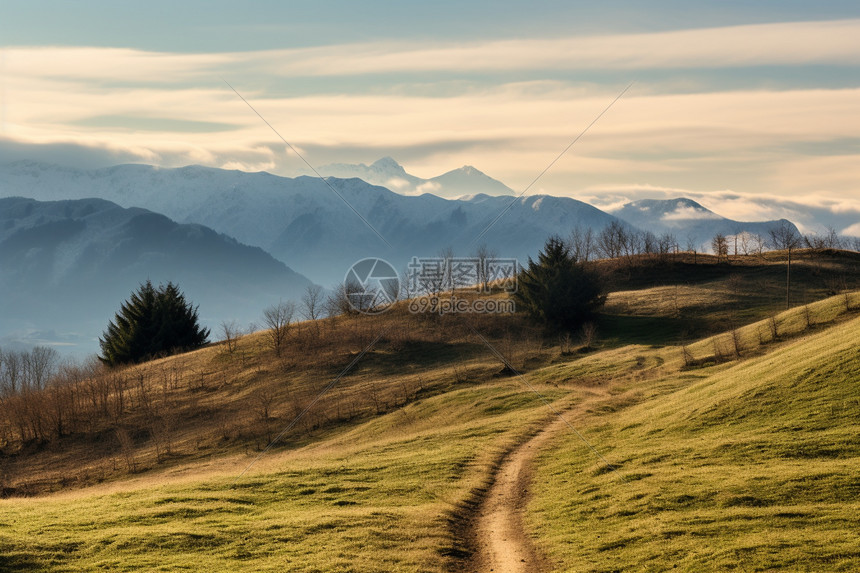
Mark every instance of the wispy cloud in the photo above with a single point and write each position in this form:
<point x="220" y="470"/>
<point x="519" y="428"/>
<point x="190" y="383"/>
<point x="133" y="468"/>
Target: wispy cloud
<point x="683" y="213"/>
<point x="828" y="42"/>
<point x="120" y="104"/>
<point x="792" y="43"/>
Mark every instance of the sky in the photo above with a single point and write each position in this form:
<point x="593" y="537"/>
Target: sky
<point x="752" y="108"/>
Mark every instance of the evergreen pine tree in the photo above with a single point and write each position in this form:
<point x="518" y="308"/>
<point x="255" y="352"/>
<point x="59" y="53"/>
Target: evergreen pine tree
<point x="557" y="290"/>
<point x="151" y="322"/>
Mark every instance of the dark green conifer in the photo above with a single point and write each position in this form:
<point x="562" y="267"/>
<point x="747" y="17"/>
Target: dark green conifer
<point x="557" y="290"/>
<point x="152" y="322"/>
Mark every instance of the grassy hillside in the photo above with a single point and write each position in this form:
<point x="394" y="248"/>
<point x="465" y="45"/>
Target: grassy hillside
<point x="746" y="466"/>
<point x="220" y="401"/>
<point x="165" y="466"/>
<point x="376" y="498"/>
<point x="683" y="298"/>
<point x="196" y="407"/>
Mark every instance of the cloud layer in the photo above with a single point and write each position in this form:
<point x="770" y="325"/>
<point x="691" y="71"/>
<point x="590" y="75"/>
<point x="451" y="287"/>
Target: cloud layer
<point x="508" y="106"/>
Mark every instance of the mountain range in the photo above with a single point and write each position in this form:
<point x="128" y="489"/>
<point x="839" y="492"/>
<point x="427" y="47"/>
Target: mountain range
<point x="312" y="225"/>
<point x="386" y="172"/>
<point x="68" y="265"/>
<point x="691" y="223"/>
<point x="319" y="228"/>
<point x="83" y="239"/>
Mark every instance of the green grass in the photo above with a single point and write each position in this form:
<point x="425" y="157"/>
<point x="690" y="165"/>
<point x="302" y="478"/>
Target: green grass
<point x="672" y="303"/>
<point x="747" y="466"/>
<point x="377" y="498"/>
<point x="730" y="462"/>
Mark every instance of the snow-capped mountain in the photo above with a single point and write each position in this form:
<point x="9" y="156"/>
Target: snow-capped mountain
<point x="313" y="228"/>
<point x="689" y="221"/>
<point x="386" y="172"/>
<point x="319" y="228"/>
<point x="68" y="265"/>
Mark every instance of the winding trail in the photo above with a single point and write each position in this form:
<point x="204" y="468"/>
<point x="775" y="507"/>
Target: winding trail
<point x="497" y="532"/>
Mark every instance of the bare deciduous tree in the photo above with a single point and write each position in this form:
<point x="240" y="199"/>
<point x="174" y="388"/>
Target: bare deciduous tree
<point x="337" y="302"/>
<point x="667" y="244"/>
<point x="688" y="356"/>
<point x="312" y="302"/>
<point x="692" y="246"/>
<point x="231" y="332"/>
<point x="484" y="256"/>
<point x="312" y="306"/>
<point x="829" y="239"/>
<point x="582" y="243"/>
<point x="649" y="243"/>
<point x="277" y="319"/>
<point x="613" y="241"/>
<point x="720" y="246"/>
<point x="736" y="342"/>
<point x="449" y="280"/>
<point x="784" y="236"/>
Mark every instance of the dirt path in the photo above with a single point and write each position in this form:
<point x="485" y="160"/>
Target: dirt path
<point x="500" y="541"/>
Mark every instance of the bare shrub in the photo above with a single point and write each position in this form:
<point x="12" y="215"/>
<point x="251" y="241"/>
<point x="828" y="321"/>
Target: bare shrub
<point x="736" y="342"/>
<point x="688" y="356"/>
<point x="588" y="335"/>
<point x="718" y="352"/>
<point x="461" y="375"/>
<point x="774" y="329"/>
<point x="263" y="400"/>
<point x="126" y="447"/>
<point x="566" y="344"/>
<point x="161" y="429"/>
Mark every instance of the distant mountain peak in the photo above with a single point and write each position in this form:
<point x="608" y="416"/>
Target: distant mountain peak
<point x="387" y="172"/>
<point x="678" y="208"/>
<point x="387" y="162"/>
<point x="685" y="218"/>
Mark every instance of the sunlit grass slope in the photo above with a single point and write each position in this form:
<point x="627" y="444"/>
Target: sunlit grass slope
<point x="748" y="466"/>
<point x="377" y="498"/>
